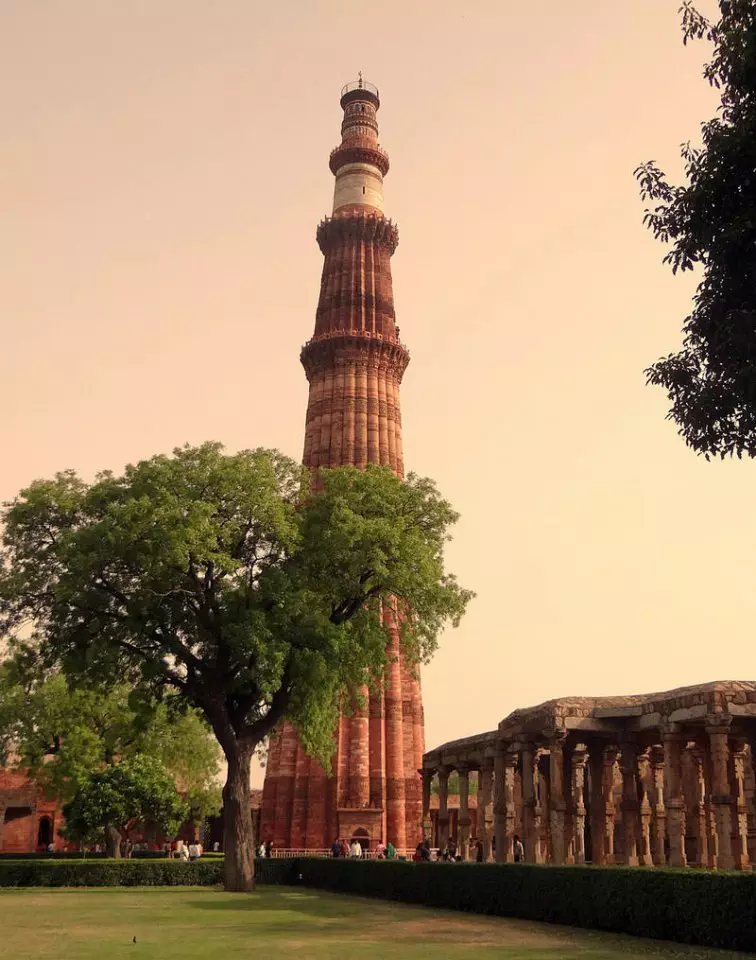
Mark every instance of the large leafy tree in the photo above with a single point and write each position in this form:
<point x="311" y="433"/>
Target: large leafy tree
<point x="133" y="792"/>
<point x="710" y="222"/>
<point x="60" y="734"/>
<point x="222" y="578"/>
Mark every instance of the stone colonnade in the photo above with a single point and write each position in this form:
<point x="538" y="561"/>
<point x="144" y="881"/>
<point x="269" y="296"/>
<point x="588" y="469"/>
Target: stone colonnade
<point x="648" y="783"/>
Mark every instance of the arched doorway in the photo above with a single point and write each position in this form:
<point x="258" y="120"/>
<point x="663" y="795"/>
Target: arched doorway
<point x="45" y="833"/>
<point x="363" y="838"/>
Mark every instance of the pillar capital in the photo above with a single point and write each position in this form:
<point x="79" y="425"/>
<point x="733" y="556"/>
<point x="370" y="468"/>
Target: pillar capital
<point x="718" y="723"/>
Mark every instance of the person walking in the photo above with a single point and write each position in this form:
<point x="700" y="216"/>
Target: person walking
<point x="355" y="851"/>
<point x="390" y="851"/>
<point x="336" y="848"/>
<point x="380" y="851"/>
<point x="519" y="850"/>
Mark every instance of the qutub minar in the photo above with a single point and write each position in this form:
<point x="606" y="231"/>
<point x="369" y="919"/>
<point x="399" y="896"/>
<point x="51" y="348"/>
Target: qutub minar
<point x="354" y="364"/>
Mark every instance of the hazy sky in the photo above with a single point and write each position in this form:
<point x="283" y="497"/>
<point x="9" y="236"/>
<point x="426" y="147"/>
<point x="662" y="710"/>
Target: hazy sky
<point x="164" y="166"/>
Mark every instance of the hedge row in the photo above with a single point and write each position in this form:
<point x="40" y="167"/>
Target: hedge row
<point x="110" y="873"/>
<point x="71" y="855"/>
<point x="687" y="906"/>
<point x="67" y="872"/>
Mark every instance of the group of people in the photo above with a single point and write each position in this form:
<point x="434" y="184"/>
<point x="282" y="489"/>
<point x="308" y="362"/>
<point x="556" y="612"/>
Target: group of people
<point x="265" y="850"/>
<point x="353" y="850"/>
<point x="186" y="851"/>
<point x="448" y="853"/>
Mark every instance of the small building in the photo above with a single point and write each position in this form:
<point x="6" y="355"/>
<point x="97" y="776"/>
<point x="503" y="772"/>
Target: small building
<point x="29" y="821"/>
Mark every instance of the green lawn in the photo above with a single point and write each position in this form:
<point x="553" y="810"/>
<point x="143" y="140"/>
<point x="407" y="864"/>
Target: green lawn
<point x="191" y="922"/>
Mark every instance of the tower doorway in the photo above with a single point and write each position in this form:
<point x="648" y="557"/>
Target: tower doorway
<point x="45" y="833"/>
<point x="363" y="838"/>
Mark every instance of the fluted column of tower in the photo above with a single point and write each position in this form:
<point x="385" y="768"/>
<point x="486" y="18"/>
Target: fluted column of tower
<point x="354" y="364"/>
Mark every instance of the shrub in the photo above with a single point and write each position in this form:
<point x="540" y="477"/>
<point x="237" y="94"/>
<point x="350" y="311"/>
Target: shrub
<point x="109" y="873"/>
<point x="698" y="907"/>
<point x="62" y="855"/>
<point x="46" y="870"/>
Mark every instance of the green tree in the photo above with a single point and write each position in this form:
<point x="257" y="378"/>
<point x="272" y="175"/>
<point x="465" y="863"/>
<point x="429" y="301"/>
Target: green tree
<point x="62" y="734"/>
<point x="452" y="787"/>
<point x="133" y="792"/>
<point x="221" y="577"/>
<point x="710" y="222"/>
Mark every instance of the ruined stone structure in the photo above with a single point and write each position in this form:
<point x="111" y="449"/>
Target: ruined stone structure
<point x="28" y="820"/>
<point x="662" y="779"/>
<point x="354" y="364"/>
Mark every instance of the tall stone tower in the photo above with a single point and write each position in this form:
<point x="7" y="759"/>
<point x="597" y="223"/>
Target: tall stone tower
<point x="354" y="364"/>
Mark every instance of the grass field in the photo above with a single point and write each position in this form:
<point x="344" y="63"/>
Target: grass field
<point x="191" y="923"/>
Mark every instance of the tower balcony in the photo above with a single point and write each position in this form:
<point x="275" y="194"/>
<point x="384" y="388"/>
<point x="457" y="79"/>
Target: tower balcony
<point x="361" y="151"/>
<point x="360" y="90"/>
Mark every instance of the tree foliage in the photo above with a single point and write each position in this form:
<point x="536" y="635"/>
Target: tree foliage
<point x="222" y="578"/>
<point x="136" y="792"/>
<point x="452" y="786"/>
<point x="61" y="734"/>
<point x="710" y="222"/>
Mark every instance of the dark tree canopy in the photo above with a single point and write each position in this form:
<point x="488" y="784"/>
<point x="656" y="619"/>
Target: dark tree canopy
<point x="221" y="578"/>
<point x="710" y="222"/>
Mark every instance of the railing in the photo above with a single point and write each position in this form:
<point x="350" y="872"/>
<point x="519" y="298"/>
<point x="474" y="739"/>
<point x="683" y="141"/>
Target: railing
<point x="291" y="852"/>
<point x="359" y="85"/>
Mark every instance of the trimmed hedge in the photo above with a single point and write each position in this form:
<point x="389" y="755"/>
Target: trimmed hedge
<point x="78" y="855"/>
<point x="688" y="906"/>
<point x="109" y="873"/>
<point x="67" y="872"/>
<point x="63" y="855"/>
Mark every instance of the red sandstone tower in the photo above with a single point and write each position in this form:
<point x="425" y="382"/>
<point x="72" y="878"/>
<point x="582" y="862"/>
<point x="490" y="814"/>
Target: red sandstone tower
<point x="354" y="364"/>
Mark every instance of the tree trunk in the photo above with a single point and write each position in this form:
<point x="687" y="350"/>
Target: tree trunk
<point x="112" y="843"/>
<point x="238" y="833"/>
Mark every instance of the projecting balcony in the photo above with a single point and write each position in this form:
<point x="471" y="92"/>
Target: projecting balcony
<point x="360" y="89"/>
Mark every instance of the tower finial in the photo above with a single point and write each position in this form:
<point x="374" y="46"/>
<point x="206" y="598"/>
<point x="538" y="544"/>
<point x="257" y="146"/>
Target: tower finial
<point x="360" y="76"/>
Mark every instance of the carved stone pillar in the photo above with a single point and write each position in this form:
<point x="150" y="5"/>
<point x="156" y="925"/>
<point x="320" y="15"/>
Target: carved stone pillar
<point x="675" y="801"/>
<point x="660" y="806"/>
<point x="578" y="802"/>
<point x="598" y="807"/>
<point x="510" y="766"/>
<point x="610" y="759"/>
<point x="751" y="804"/>
<point x="463" y="846"/>
<point x="645" y="856"/>
<point x="542" y="781"/>
<point x="443" y="806"/>
<point x="700" y="813"/>
<point x="485" y="810"/>
<point x="427" y="780"/>
<point x="527" y="771"/>
<point x="630" y="812"/>
<point x="557" y="802"/>
<point x="718" y="729"/>
<point x="500" y="805"/>
<point x="739" y="808"/>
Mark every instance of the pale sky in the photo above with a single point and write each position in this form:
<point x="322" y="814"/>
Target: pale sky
<point x="164" y="167"/>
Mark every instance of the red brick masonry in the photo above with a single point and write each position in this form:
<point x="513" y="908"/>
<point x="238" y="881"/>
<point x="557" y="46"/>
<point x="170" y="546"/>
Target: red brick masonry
<point x="354" y="364"/>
